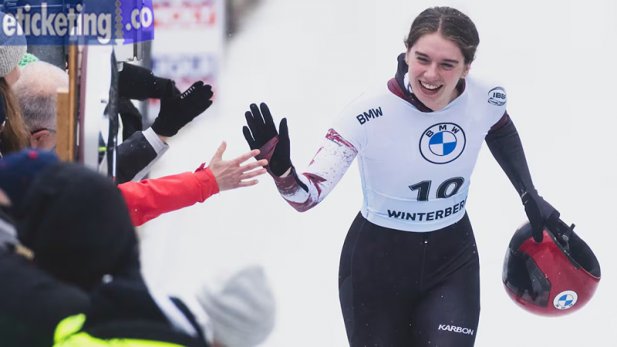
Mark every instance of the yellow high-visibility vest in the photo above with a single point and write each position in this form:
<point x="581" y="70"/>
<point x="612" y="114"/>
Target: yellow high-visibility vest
<point x="68" y="334"/>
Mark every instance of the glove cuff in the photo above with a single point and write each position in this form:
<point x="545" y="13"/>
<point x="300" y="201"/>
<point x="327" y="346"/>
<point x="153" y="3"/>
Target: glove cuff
<point x="278" y="168"/>
<point x="163" y="128"/>
<point x="528" y="195"/>
<point x="288" y="184"/>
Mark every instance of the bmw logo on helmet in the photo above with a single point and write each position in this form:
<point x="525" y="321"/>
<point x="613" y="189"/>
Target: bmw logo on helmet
<point x="442" y="143"/>
<point x="565" y="300"/>
<point x="546" y="279"/>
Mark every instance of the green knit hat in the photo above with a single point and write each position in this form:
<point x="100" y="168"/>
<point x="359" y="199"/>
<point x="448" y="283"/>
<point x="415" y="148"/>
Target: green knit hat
<point x="27" y="59"/>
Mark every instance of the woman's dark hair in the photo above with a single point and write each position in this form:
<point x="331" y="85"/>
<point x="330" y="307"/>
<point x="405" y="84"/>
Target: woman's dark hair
<point x="451" y="24"/>
<point x="15" y="135"/>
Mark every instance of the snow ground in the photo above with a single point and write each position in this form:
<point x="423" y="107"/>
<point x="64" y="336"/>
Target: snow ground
<point x="308" y="59"/>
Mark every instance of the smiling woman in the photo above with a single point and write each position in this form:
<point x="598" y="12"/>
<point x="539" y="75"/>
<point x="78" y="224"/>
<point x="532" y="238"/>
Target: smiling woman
<point x="435" y="69"/>
<point x="309" y="59"/>
<point x="441" y="46"/>
<point x="409" y="268"/>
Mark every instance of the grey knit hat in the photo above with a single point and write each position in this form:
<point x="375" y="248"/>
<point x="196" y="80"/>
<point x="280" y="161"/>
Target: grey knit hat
<point x="13" y="45"/>
<point x="241" y="309"/>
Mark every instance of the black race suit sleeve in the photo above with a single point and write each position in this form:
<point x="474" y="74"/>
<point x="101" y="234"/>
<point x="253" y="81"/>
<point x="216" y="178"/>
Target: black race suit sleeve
<point x="505" y="145"/>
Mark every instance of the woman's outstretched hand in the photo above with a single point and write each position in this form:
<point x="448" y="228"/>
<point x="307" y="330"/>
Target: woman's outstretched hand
<point x="260" y="133"/>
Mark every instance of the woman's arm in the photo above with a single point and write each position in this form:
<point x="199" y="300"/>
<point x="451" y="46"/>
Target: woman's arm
<point x="505" y="145"/>
<point x="305" y="190"/>
<point x="328" y="166"/>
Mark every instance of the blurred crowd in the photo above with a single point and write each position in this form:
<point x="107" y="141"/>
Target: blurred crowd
<point x="69" y="253"/>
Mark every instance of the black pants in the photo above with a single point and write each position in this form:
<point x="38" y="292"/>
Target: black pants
<point x="402" y="289"/>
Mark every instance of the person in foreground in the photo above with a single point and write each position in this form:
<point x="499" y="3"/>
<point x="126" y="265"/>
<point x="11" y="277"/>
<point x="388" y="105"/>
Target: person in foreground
<point x="409" y="267"/>
<point x="72" y="275"/>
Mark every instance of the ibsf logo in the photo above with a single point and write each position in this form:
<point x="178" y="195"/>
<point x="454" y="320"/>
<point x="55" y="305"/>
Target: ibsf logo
<point x="442" y="143"/>
<point x="565" y="300"/>
<point x="497" y="96"/>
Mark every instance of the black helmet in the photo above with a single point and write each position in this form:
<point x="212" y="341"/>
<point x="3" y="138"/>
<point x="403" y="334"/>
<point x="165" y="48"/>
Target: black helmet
<point x="554" y="277"/>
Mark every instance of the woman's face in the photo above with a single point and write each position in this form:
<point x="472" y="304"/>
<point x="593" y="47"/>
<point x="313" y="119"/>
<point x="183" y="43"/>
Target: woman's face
<point x="436" y="65"/>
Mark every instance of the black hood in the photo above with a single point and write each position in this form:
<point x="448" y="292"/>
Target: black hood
<point x="78" y="226"/>
<point x="401" y="70"/>
<point x="398" y="87"/>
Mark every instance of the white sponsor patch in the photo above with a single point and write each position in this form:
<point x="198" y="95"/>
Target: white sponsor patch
<point x="497" y="96"/>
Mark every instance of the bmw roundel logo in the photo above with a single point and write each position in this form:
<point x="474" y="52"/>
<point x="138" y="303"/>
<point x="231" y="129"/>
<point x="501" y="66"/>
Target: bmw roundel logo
<point x="442" y="143"/>
<point x="565" y="300"/>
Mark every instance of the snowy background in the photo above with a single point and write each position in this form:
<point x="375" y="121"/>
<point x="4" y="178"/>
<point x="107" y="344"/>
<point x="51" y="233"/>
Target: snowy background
<point x="308" y="59"/>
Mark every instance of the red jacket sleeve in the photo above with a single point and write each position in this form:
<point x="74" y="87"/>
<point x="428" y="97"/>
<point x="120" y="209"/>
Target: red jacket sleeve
<point x="149" y="198"/>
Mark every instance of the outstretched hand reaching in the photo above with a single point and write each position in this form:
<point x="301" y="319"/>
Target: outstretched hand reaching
<point x="178" y="110"/>
<point x="231" y="174"/>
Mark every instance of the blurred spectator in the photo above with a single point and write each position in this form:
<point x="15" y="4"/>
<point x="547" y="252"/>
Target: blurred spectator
<point x="79" y="231"/>
<point x="13" y="133"/>
<point x="37" y="93"/>
<point x="37" y="89"/>
<point x="241" y="307"/>
<point x="236" y="11"/>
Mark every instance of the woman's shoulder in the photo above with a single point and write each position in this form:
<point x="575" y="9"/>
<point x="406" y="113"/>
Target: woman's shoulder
<point x="372" y="97"/>
<point x="494" y="92"/>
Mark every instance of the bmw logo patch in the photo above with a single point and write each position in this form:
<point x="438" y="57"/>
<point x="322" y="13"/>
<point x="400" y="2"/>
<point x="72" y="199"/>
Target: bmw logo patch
<point x="442" y="143"/>
<point x="565" y="300"/>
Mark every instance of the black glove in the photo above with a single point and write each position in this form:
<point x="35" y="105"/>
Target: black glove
<point x="131" y="118"/>
<point x="261" y="134"/>
<point x="136" y="82"/>
<point x="539" y="212"/>
<point x="178" y="110"/>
